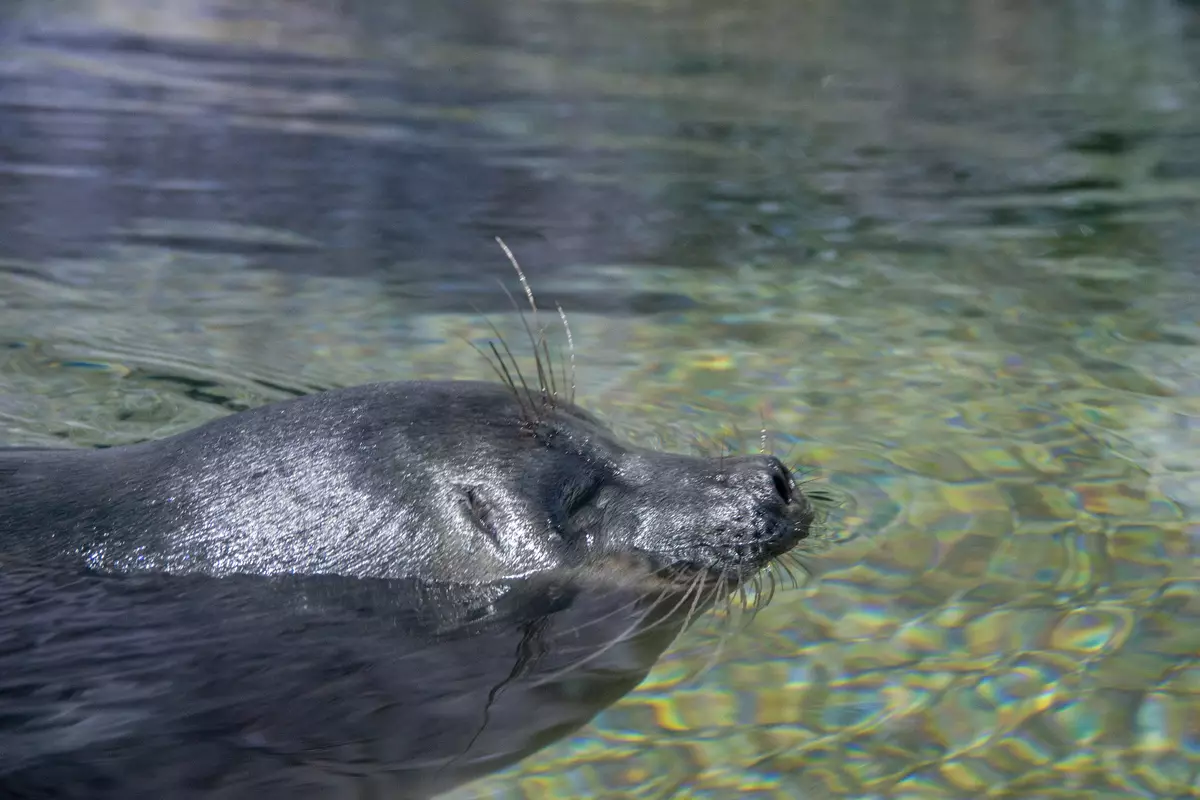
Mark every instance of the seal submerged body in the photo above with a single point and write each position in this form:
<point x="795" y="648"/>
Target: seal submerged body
<point x="156" y="686"/>
<point x="384" y="589"/>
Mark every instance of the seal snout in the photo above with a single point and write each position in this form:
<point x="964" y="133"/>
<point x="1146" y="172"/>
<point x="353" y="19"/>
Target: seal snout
<point x="771" y="485"/>
<point x="769" y="513"/>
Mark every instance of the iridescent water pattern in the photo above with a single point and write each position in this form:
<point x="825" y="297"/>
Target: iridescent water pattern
<point x="946" y="252"/>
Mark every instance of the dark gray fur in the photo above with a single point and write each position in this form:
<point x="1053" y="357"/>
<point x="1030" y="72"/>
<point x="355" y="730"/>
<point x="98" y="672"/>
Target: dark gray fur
<point x="384" y="589"/>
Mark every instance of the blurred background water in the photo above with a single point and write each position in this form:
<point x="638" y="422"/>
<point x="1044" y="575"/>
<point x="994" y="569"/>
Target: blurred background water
<point x="946" y="252"/>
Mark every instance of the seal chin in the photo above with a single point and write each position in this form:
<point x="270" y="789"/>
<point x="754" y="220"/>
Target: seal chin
<point x="794" y="527"/>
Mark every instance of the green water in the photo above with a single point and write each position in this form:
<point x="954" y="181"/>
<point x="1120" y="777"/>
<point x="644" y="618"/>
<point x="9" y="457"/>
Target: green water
<point x="947" y="254"/>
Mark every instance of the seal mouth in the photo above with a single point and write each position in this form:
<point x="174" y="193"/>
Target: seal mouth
<point x="735" y="564"/>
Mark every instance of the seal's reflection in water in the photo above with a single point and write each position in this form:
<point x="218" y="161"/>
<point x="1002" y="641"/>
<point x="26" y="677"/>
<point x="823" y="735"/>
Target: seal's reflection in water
<point x="152" y="686"/>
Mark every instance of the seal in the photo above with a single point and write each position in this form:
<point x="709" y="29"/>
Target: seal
<point x="382" y="590"/>
<point x="453" y="481"/>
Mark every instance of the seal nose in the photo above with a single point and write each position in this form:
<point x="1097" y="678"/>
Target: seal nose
<point x="773" y="514"/>
<point x="769" y="478"/>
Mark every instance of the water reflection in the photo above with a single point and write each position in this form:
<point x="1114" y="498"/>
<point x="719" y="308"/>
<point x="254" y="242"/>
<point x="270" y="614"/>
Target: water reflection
<point x="370" y="170"/>
<point x="418" y="133"/>
<point x="304" y="686"/>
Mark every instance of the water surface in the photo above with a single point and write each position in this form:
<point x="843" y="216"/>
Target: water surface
<point x="945" y="252"/>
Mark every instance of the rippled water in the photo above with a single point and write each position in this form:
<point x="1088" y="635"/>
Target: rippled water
<point x="946" y="252"/>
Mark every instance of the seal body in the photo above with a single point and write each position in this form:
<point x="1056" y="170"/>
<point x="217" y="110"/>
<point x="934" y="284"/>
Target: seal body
<point x="384" y="589"/>
<point x="244" y="687"/>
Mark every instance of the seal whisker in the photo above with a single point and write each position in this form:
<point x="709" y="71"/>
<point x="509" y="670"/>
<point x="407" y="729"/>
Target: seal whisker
<point x="745" y="611"/>
<point x="597" y="620"/>
<point x="692" y="590"/>
<point x="570" y="351"/>
<point x="771" y="579"/>
<point x="721" y="593"/>
<point x="758" y="603"/>
<point x="505" y="375"/>
<point x="545" y="342"/>
<point x="696" y="588"/>
<point x="639" y="625"/>
<point x="774" y="585"/>
<point x="781" y="564"/>
<point x="723" y="636"/>
<point x="542" y="366"/>
<point x="746" y="601"/>
<point x="624" y="635"/>
<point x="728" y="598"/>
<point x="800" y="565"/>
<point x="706" y="594"/>
<point x="665" y="593"/>
<point x="549" y="365"/>
<point x="512" y="359"/>
<point x="501" y="367"/>
<point x="737" y="599"/>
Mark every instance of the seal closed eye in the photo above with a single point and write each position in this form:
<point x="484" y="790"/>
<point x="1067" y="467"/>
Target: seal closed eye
<point x="388" y="588"/>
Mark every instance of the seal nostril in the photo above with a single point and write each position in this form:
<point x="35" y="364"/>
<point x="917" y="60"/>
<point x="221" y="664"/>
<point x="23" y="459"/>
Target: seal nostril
<point x="782" y="488"/>
<point x="782" y="480"/>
